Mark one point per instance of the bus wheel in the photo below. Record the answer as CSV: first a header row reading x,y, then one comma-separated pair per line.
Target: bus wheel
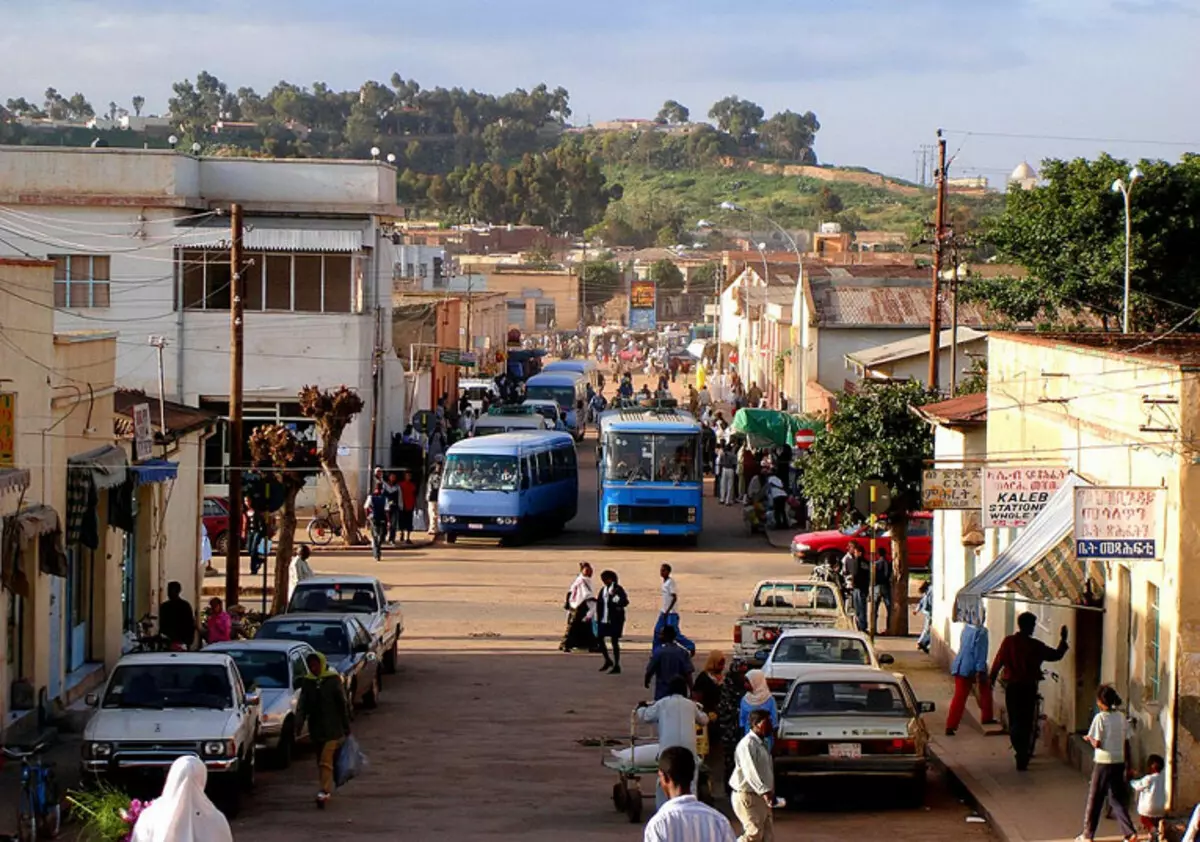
x,y
691,540
451,538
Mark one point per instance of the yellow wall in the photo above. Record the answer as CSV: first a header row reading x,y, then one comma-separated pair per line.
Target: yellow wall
x,y
557,285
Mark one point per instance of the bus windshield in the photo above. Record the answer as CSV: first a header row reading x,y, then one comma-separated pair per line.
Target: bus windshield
x,y
480,472
564,396
645,457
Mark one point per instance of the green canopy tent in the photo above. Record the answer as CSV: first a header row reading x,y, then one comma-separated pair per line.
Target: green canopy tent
x,y
772,427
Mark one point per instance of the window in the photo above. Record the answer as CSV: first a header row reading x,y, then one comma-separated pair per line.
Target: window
x,y
543,316
515,311
306,283
1153,652
423,270
545,473
81,280
216,447
408,270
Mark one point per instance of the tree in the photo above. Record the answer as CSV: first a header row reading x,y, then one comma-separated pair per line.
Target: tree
x,y
112,112
790,135
600,280
282,458
56,105
672,112
738,117
137,102
666,276
79,108
872,434
1069,235
333,412
829,202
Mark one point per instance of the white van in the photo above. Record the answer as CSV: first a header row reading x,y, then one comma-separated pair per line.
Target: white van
x,y
476,389
487,425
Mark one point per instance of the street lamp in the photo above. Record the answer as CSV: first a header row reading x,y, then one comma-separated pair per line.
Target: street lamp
x,y
1126,190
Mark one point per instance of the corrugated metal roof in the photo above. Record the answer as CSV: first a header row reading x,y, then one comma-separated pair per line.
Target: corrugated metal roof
x,y
893,306
967,409
280,239
905,349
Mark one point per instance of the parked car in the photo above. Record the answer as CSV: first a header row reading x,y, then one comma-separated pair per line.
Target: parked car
x,y
798,651
780,604
216,522
275,670
860,722
348,648
830,545
362,596
158,706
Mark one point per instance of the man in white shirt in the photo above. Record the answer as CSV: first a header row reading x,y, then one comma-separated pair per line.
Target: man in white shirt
x,y
677,717
752,785
683,818
299,569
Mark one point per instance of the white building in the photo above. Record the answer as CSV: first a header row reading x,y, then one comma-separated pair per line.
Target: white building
x,y
141,240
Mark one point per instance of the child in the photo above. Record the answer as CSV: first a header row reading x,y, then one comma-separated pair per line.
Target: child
x,y
925,608
1107,736
1152,797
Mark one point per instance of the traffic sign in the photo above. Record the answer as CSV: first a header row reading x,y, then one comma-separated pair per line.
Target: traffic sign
x,y
869,503
805,438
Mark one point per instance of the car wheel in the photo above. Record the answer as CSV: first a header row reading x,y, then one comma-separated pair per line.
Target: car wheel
x,y
915,790
230,796
247,771
390,661
287,745
451,538
371,697
220,544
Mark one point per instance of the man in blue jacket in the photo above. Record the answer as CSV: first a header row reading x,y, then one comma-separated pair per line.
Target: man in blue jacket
x,y
970,670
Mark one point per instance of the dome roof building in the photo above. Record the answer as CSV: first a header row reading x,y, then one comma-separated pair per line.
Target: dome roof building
x,y
1024,176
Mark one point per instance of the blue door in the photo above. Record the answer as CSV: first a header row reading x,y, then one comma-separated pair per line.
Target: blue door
x,y
76,609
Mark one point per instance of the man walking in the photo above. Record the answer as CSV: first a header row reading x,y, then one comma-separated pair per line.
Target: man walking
x,y
176,619
676,717
727,472
859,574
970,671
753,783
434,483
1020,662
323,705
377,514
882,592
669,662
668,612
683,818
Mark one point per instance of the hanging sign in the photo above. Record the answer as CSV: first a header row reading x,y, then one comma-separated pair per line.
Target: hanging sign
x,y
1119,523
8,429
1014,496
143,433
951,488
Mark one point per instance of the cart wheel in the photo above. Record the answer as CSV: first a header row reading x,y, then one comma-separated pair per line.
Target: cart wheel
x,y
619,796
633,803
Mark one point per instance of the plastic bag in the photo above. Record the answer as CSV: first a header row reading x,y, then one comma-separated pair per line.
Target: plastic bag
x,y
349,762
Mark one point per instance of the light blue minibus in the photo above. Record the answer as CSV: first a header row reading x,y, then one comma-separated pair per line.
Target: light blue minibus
x,y
509,486
566,388
587,368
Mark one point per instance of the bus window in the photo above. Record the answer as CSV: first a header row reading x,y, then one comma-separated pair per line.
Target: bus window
x,y
562,462
545,472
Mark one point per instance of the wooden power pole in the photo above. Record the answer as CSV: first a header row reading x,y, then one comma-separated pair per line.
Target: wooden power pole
x,y
935,315
237,288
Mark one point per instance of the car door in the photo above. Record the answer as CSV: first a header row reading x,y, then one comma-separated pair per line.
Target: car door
x,y
363,640
920,541
247,734
298,662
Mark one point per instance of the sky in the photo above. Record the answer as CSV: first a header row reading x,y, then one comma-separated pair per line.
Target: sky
x,y
1009,80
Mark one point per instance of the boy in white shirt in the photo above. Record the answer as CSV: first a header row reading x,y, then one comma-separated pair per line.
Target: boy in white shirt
x,y
1152,797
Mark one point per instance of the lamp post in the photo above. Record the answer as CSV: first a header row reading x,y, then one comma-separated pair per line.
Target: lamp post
x,y
1126,191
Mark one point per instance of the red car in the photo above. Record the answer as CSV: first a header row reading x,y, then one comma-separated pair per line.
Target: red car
x,y
831,545
216,522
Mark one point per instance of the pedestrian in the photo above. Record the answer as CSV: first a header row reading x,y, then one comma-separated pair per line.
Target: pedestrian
x,y
255,526
758,697
1152,797
668,612
391,490
299,569
176,619
707,687
324,707
377,516
581,610
408,504
726,474
1108,736
860,581
1020,660
676,717
434,485
693,401
183,812
218,628
925,609
611,608
969,671
670,661
882,592
778,497
752,785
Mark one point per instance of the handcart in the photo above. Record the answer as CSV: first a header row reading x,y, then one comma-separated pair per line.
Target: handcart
x,y
627,791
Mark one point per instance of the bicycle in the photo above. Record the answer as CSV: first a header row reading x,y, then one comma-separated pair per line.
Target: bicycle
x,y
39,812
325,525
149,640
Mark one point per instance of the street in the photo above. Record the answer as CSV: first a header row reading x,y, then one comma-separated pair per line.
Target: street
x,y
479,734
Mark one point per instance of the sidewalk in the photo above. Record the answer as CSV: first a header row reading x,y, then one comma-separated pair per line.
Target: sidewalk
x,y
1044,804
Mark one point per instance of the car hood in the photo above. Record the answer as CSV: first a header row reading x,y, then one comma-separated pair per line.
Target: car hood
x,y
828,536
794,671
852,727
169,724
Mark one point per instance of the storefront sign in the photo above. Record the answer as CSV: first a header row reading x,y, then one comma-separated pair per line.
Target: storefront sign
x,y
951,488
143,433
1116,523
642,305
8,429
1013,496
456,357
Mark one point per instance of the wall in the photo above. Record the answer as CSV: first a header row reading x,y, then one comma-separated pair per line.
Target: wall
x,y
917,367
299,181
832,371
30,173
556,286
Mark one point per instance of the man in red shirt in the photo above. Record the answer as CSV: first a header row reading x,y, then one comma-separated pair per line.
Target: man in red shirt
x,y
1020,660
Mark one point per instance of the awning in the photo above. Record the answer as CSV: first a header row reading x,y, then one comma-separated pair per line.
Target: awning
x,y
1040,565
278,239
108,465
36,521
154,470
13,479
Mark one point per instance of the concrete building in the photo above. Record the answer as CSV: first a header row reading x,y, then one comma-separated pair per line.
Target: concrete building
x,y
1106,412
536,300
908,359
140,242
745,307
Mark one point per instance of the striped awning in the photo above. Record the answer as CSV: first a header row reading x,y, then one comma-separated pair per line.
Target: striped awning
x,y
1040,565
278,239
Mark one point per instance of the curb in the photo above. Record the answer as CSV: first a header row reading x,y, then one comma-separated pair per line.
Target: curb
x,y
965,784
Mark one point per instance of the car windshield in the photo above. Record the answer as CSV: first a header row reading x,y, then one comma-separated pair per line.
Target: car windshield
x,y
547,411
343,598
838,698
564,396
326,638
480,472
264,670
821,650
159,686
658,457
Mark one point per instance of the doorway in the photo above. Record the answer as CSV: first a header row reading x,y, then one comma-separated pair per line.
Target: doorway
x,y
77,608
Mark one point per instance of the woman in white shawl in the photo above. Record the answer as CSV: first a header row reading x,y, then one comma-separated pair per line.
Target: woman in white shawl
x,y
581,610
183,812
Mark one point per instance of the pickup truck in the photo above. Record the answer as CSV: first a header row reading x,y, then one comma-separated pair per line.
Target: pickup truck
x,y
780,604
159,706
362,596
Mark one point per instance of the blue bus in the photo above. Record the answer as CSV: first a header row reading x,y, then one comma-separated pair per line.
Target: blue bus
x,y
508,486
566,388
587,368
651,482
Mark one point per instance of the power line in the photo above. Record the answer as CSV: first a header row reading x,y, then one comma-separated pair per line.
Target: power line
x,y
1019,136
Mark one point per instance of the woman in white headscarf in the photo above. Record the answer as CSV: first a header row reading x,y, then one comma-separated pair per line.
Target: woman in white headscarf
x,y
183,812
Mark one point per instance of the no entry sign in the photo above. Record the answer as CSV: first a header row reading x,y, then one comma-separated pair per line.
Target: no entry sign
x,y
805,438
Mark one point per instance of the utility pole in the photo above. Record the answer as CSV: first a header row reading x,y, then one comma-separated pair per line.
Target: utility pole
x,y
376,364
954,323
935,316
160,342
719,280
233,550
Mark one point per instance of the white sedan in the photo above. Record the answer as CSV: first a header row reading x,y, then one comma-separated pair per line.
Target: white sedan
x,y
799,651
